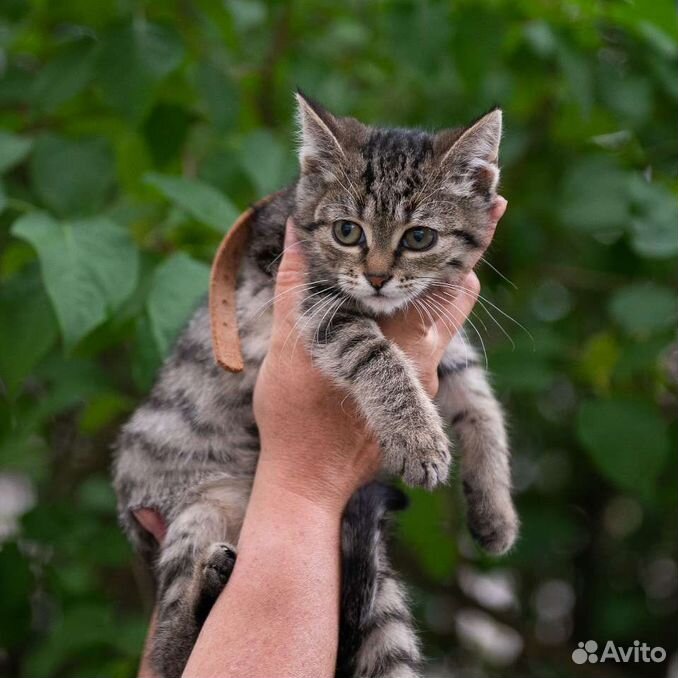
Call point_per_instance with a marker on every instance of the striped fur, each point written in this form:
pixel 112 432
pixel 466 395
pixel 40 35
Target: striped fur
pixel 190 450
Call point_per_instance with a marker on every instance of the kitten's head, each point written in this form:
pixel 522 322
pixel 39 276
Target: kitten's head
pixel 384 213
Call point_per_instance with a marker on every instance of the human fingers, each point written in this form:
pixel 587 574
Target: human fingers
pixel 290 279
pixel 453 307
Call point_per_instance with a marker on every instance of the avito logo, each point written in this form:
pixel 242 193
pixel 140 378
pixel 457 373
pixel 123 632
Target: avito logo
pixel 636 653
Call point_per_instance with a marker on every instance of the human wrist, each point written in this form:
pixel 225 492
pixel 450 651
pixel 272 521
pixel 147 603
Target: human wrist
pixel 283 474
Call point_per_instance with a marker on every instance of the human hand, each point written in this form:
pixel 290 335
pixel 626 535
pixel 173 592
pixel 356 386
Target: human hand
pixel 335 454
pixel 313 440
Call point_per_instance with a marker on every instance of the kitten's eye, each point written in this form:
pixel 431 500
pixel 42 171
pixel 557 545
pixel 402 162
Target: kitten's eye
pixel 419 239
pixel 347 233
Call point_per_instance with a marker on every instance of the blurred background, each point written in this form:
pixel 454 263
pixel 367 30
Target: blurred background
pixel 131 135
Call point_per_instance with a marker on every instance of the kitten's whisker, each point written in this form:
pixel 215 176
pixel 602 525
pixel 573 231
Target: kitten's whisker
pixel 259 310
pixel 336 310
pixel 431 177
pixel 356 192
pixel 445 317
pixel 268 268
pixel 316 309
pixel 434 326
pixel 480 318
pixel 325 308
pixel 310 310
pixel 458 288
pixel 428 314
pixel 413 301
pixel 422 201
pixel 325 314
pixel 493 305
pixel 477 315
pixel 483 305
pixel 499 273
pixel 475 329
pixel 466 343
pixel 352 190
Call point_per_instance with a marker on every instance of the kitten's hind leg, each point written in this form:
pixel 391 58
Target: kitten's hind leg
pixel 193 567
pixel 377 637
pixel 467 402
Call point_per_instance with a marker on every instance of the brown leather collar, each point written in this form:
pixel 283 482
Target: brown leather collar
pixel 222 298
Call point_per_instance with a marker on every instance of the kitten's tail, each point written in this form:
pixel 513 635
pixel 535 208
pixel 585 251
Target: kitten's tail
pixel 376 635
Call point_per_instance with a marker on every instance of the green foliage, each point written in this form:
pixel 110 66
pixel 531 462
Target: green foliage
pixel 200 200
pixel 89 268
pixel 131 136
pixel 627 439
pixel 72 177
pixel 177 285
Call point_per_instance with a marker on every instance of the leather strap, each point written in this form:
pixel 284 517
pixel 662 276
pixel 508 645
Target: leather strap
pixel 222 297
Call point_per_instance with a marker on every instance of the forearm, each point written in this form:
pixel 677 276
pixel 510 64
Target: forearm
pixel 279 613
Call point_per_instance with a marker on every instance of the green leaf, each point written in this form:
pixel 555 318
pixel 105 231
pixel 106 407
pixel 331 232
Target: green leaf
pixel 265 161
pixel 627 439
pixel 653 226
pixel 577 74
pixel 96 495
pixel 177 286
pixel 73 178
pixel 644 308
pixel 89 268
pixel 165 131
pixel 202 201
pixel 220 95
pixel 13 149
pixel 422 528
pixel 82 627
pixel 15 620
pixel 134 57
pixel 65 76
pixel 28 326
pixel 147 357
pixel 594 196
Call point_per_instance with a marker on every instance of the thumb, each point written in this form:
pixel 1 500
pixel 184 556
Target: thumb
pixel 291 276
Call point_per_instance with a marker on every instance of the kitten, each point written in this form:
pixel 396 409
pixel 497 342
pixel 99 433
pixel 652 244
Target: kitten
pixel 382 214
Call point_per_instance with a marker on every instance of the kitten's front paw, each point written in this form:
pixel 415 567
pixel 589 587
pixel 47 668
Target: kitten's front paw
pixel 492 519
pixel 422 459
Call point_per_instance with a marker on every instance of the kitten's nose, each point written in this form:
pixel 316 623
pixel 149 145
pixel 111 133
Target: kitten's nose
pixel 378 280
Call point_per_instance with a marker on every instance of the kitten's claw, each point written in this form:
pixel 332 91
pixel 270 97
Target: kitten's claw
pixel 211 575
pixel 217 568
pixel 426 474
pixel 424 462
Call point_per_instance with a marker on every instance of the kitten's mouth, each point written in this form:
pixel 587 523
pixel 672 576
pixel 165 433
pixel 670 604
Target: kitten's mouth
pixel 381 304
pixel 382 301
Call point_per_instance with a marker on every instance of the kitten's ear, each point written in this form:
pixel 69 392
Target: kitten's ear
pixel 472 158
pixel 320 132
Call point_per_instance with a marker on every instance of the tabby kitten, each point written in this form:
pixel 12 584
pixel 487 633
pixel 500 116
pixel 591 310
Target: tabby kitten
pixel 383 215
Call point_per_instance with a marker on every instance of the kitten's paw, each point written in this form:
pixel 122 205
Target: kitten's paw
pixel 216 569
pixel 492 519
pixel 421 459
